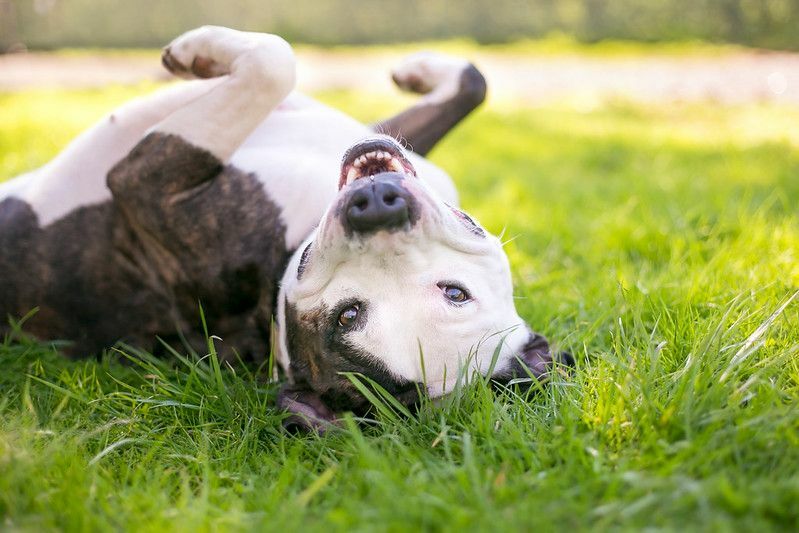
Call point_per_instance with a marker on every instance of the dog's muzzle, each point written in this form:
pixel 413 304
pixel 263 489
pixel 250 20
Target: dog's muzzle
pixel 371 183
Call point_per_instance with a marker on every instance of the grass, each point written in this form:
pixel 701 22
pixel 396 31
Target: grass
pixel 659 244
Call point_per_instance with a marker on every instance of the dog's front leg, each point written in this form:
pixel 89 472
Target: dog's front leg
pixel 261 69
pixel 452 88
pixel 261 73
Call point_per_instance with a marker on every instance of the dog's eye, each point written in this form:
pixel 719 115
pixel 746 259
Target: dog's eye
pixel 348 316
pixel 304 260
pixel 468 221
pixel 454 294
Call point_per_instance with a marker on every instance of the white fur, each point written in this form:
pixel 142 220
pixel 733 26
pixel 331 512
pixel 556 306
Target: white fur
pixel 76 176
pixel 296 152
pixel 397 276
pixel 262 72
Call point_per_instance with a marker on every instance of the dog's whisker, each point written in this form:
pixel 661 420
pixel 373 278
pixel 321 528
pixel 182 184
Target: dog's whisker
pixel 508 241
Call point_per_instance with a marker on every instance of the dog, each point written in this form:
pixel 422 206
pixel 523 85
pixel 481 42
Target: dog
pixel 263 205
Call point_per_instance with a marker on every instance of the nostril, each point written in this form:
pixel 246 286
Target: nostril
pixel 381 204
pixel 390 198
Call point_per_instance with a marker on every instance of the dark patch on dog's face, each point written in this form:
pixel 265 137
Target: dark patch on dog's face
pixel 534 362
pixel 320 353
pixel 182 231
pixel 304 258
pixel 468 221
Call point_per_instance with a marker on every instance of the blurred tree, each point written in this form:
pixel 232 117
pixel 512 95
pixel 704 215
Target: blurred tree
pixel 9 39
pixel 735 19
pixel 58 23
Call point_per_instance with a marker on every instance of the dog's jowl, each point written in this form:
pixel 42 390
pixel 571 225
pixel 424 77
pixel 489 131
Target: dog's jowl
pixel 261 204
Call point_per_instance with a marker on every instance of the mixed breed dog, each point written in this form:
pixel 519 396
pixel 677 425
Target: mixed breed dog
pixel 264 206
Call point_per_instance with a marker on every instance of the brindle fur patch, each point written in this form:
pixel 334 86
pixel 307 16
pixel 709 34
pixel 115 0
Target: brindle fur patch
pixel 182 230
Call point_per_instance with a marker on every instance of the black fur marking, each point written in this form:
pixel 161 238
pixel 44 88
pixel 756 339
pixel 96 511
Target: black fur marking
pixel 423 125
pixel 181 230
pixel 320 352
pixel 306 254
pixel 468 221
pixel 536 360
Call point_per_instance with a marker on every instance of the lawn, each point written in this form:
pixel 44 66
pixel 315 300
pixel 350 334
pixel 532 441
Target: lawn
pixel 659 244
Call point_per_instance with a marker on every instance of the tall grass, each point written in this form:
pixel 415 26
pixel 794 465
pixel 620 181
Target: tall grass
pixel 658 244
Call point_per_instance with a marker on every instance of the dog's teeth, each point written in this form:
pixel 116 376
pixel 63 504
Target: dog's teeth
pixel 395 165
pixel 352 175
pixel 358 163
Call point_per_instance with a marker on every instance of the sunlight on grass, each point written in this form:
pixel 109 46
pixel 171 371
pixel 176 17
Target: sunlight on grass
pixel 655 243
pixel 29 135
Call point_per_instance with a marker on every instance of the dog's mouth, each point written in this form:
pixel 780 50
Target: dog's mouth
pixel 373 157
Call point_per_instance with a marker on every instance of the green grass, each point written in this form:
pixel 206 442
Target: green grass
pixel 659 244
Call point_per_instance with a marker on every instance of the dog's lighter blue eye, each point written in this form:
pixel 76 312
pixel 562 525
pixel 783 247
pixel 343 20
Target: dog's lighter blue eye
pixel 455 294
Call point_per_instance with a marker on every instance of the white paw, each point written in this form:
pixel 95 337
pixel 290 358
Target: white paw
pixel 425 72
pixel 190 55
pixel 211 51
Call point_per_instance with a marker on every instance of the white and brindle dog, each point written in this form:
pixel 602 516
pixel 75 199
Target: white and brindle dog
pixel 232 191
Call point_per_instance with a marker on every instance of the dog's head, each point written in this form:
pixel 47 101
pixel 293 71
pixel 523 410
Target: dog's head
pixel 401 287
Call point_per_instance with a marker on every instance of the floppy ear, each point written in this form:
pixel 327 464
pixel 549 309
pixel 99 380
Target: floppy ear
pixel 307 410
pixel 538 357
pixel 534 360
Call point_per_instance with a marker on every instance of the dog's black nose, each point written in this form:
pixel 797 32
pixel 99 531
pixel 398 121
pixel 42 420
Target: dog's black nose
pixel 377 204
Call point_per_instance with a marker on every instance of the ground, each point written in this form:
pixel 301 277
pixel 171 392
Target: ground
pixel 658 241
pixel 531 72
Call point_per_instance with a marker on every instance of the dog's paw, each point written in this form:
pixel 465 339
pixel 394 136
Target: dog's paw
pixel 212 51
pixel 190 55
pixel 425 72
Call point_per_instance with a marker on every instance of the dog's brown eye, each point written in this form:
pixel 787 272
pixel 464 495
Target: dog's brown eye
pixel 348 316
pixel 454 293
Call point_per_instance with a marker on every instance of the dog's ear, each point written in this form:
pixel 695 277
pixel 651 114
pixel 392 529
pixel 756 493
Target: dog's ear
pixel 307 411
pixel 534 361
pixel 538 357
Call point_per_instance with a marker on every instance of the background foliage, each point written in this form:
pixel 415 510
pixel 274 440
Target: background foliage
pixel 123 23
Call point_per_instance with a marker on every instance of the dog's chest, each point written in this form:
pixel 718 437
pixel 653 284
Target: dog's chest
pixel 296 154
